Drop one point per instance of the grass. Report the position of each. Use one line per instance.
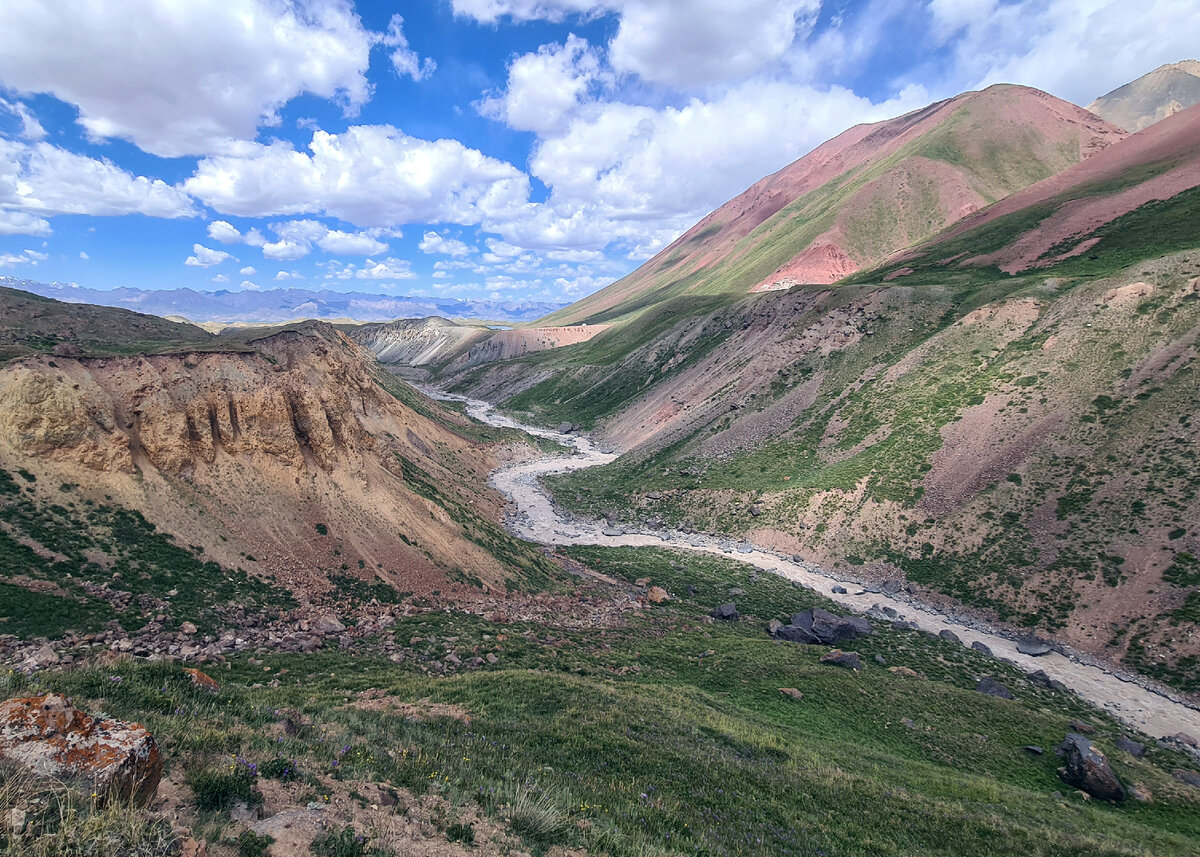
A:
(670, 735)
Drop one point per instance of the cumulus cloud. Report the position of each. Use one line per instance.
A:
(405, 60)
(227, 233)
(370, 175)
(248, 271)
(297, 237)
(290, 275)
(432, 242)
(387, 269)
(270, 52)
(44, 179)
(31, 128)
(23, 223)
(25, 257)
(204, 257)
(544, 87)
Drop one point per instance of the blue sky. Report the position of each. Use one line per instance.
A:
(472, 148)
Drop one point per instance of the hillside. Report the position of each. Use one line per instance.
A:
(1151, 98)
(855, 200)
(1000, 416)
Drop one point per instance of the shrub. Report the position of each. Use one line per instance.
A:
(250, 844)
(219, 790)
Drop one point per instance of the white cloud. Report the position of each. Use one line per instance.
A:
(25, 257)
(545, 87)
(44, 179)
(371, 175)
(248, 271)
(404, 59)
(220, 278)
(84, 256)
(286, 250)
(432, 242)
(167, 95)
(351, 244)
(290, 275)
(388, 269)
(22, 223)
(205, 257)
(249, 286)
(31, 128)
(227, 233)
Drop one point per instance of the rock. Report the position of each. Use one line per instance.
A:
(293, 829)
(190, 847)
(839, 590)
(838, 658)
(1140, 793)
(492, 658)
(755, 510)
(1080, 726)
(1040, 678)
(773, 627)
(328, 624)
(1034, 647)
(311, 644)
(1033, 749)
(1133, 748)
(905, 671)
(981, 648)
(52, 738)
(792, 692)
(891, 587)
(991, 687)
(1087, 770)
(642, 581)
(728, 612)
(1189, 777)
(881, 660)
(452, 658)
(40, 658)
(736, 591)
(1184, 738)
(821, 626)
(202, 680)
(243, 813)
(908, 722)
(654, 495)
(947, 634)
(188, 628)
(565, 428)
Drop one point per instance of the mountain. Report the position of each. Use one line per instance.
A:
(272, 306)
(1000, 417)
(286, 453)
(1152, 97)
(855, 200)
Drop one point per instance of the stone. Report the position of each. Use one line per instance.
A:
(657, 595)
(1087, 770)
(565, 428)
(839, 590)
(755, 510)
(1080, 726)
(190, 847)
(1040, 678)
(202, 680)
(492, 658)
(51, 738)
(1033, 749)
(838, 658)
(881, 660)
(1140, 793)
(821, 626)
(991, 687)
(328, 624)
(981, 648)
(908, 722)
(792, 692)
(736, 591)
(188, 628)
(642, 581)
(1189, 777)
(1184, 738)
(1133, 748)
(1034, 647)
(906, 672)
(728, 612)
(947, 634)
(40, 658)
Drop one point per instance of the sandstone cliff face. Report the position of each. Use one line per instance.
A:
(246, 452)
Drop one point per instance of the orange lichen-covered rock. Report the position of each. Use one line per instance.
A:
(203, 680)
(52, 738)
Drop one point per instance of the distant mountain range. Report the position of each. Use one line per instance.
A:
(278, 305)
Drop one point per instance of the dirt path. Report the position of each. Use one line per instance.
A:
(535, 518)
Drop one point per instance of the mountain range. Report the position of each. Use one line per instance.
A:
(271, 306)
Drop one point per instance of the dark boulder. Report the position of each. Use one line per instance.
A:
(1087, 770)
(838, 658)
(728, 612)
(991, 687)
(1040, 678)
(981, 648)
(1033, 749)
(1034, 647)
(839, 590)
(565, 428)
(830, 629)
(1189, 777)
(947, 634)
(1133, 748)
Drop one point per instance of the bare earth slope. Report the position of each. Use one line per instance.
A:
(293, 449)
(1151, 98)
(862, 196)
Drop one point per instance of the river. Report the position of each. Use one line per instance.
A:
(534, 517)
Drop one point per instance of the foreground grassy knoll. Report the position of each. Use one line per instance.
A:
(664, 734)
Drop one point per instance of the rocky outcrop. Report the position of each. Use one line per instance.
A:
(819, 626)
(1087, 770)
(51, 738)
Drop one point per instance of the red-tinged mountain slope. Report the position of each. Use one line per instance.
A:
(862, 196)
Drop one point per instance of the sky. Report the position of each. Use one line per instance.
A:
(504, 149)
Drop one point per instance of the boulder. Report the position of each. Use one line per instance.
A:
(981, 648)
(53, 739)
(202, 680)
(40, 658)
(838, 658)
(728, 612)
(991, 687)
(1034, 647)
(1040, 678)
(1033, 749)
(1189, 777)
(792, 692)
(1133, 748)
(839, 590)
(328, 624)
(906, 672)
(657, 595)
(821, 626)
(947, 634)
(565, 428)
(1087, 770)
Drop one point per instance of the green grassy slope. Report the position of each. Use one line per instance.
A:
(668, 736)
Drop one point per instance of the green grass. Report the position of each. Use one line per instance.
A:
(670, 735)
